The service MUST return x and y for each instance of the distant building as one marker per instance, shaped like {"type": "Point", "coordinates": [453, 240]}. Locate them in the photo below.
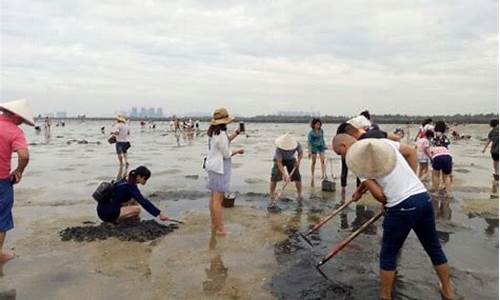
{"type": "Point", "coordinates": [61, 114]}
{"type": "Point", "coordinates": [159, 112]}
{"type": "Point", "coordinates": [151, 113]}
{"type": "Point", "coordinates": [144, 113]}
{"type": "Point", "coordinates": [134, 113]}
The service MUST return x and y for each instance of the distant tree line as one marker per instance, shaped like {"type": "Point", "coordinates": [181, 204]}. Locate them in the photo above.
{"type": "Point", "coordinates": [381, 119]}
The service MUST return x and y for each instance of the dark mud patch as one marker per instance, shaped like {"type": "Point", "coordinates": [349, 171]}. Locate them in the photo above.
{"type": "Point", "coordinates": [8, 295]}
{"type": "Point", "coordinates": [302, 281]}
{"type": "Point", "coordinates": [137, 231]}
{"type": "Point", "coordinates": [472, 189]}
{"type": "Point", "coordinates": [67, 169]}
{"type": "Point", "coordinates": [178, 195]}
{"type": "Point", "coordinates": [464, 171]}
{"type": "Point", "coordinates": [193, 177]}
{"type": "Point", "coordinates": [255, 180]}
{"type": "Point", "coordinates": [195, 195]}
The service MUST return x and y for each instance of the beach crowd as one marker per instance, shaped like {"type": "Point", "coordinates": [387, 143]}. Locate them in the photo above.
{"type": "Point", "coordinates": [394, 173]}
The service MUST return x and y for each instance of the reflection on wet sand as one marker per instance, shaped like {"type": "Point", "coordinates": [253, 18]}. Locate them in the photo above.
{"type": "Point", "coordinates": [8, 295]}
{"type": "Point", "coordinates": [217, 273]}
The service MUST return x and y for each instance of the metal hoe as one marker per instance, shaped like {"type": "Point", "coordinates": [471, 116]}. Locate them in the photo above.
{"type": "Point", "coordinates": [346, 242]}
{"type": "Point", "coordinates": [323, 222]}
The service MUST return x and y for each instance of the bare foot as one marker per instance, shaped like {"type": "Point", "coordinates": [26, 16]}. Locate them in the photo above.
{"type": "Point", "coordinates": [446, 294]}
{"type": "Point", "coordinates": [221, 232]}
{"type": "Point", "coordinates": [5, 257]}
{"type": "Point", "coordinates": [312, 182]}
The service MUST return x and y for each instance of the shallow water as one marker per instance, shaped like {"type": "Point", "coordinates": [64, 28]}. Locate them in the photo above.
{"type": "Point", "coordinates": [262, 258]}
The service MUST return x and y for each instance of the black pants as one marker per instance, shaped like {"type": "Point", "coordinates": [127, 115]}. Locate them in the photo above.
{"type": "Point", "coordinates": [343, 175]}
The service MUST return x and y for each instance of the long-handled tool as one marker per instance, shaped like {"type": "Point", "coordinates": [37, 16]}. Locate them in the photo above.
{"type": "Point", "coordinates": [278, 196]}
{"type": "Point", "coordinates": [346, 242]}
{"type": "Point", "coordinates": [324, 221]}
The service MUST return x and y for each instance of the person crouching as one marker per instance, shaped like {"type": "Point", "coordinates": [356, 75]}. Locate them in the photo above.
{"type": "Point", "coordinates": [121, 207]}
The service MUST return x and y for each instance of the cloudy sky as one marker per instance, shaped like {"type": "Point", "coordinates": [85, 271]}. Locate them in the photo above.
{"type": "Point", "coordinates": [335, 57]}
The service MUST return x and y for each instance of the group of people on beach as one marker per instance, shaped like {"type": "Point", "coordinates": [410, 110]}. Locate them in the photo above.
{"type": "Point", "coordinates": [384, 167]}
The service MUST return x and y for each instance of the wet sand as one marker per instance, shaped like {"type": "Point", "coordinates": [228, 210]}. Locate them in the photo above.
{"type": "Point", "coordinates": [262, 258]}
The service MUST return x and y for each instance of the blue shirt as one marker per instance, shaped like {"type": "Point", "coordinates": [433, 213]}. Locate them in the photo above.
{"type": "Point", "coordinates": [124, 192]}
{"type": "Point", "coordinates": [315, 140]}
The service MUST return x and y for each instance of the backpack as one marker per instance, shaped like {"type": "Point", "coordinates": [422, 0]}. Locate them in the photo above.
{"type": "Point", "coordinates": [104, 192]}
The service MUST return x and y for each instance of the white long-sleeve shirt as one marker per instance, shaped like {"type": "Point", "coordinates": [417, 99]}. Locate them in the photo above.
{"type": "Point", "coordinates": [219, 150]}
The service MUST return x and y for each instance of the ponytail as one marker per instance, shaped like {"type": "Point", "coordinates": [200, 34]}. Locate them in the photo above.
{"type": "Point", "coordinates": [139, 171]}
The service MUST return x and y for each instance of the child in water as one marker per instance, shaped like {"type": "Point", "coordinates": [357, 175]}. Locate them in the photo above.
{"type": "Point", "coordinates": [422, 146]}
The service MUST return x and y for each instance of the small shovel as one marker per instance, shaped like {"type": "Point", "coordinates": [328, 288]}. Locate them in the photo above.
{"type": "Point", "coordinates": [346, 242]}
{"type": "Point", "coordinates": [175, 221]}
{"type": "Point", "coordinates": [323, 222]}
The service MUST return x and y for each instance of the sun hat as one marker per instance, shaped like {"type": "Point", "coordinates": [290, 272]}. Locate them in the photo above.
{"type": "Point", "coordinates": [121, 118]}
{"type": "Point", "coordinates": [371, 158]}
{"type": "Point", "coordinates": [221, 116]}
{"type": "Point", "coordinates": [360, 122]}
{"type": "Point", "coordinates": [286, 142]}
{"type": "Point", "coordinates": [21, 108]}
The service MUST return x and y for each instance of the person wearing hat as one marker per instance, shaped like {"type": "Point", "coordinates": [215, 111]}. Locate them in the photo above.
{"type": "Point", "coordinates": [218, 165]}
{"type": "Point", "coordinates": [284, 157]}
{"type": "Point", "coordinates": [360, 128]}
{"type": "Point", "coordinates": [121, 132]}
{"type": "Point", "coordinates": [12, 114]}
{"type": "Point", "coordinates": [386, 174]}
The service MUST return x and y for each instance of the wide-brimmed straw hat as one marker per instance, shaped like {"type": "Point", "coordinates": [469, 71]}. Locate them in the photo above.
{"type": "Point", "coordinates": [121, 118]}
{"type": "Point", "coordinates": [21, 108]}
{"type": "Point", "coordinates": [360, 122]}
{"type": "Point", "coordinates": [371, 158]}
{"type": "Point", "coordinates": [286, 142]}
{"type": "Point", "coordinates": [221, 116]}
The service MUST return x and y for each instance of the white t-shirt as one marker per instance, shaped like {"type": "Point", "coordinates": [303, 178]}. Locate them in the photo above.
{"type": "Point", "coordinates": [402, 182]}
{"type": "Point", "coordinates": [121, 132]}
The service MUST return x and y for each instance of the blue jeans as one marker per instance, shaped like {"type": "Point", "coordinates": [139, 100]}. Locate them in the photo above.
{"type": "Point", "coordinates": [6, 202]}
{"type": "Point", "coordinates": [415, 213]}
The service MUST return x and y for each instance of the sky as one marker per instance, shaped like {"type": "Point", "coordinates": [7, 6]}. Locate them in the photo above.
{"type": "Point", "coordinates": [99, 57]}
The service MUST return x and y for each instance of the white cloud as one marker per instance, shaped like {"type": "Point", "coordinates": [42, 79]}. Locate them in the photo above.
{"type": "Point", "coordinates": [98, 57]}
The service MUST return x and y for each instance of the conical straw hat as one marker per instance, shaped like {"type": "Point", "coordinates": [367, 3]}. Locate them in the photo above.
{"type": "Point", "coordinates": [371, 158]}
{"type": "Point", "coordinates": [22, 108]}
{"type": "Point", "coordinates": [360, 122]}
{"type": "Point", "coordinates": [286, 142]}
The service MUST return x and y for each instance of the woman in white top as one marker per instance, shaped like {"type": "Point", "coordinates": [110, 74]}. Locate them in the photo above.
{"type": "Point", "coordinates": [218, 165]}
{"type": "Point", "coordinates": [121, 133]}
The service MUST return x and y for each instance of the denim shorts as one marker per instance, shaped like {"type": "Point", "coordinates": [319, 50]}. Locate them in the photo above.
{"type": "Point", "coordinates": [415, 213]}
{"type": "Point", "coordinates": [289, 165]}
{"type": "Point", "coordinates": [122, 147]}
{"type": "Point", "coordinates": [6, 203]}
